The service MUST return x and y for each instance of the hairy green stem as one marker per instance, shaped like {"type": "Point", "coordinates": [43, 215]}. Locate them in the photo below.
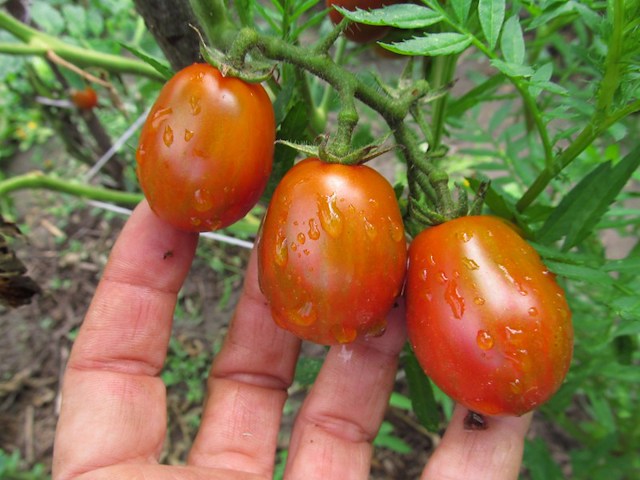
{"type": "Point", "coordinates": [213, 19]}
{"type": "Point", "coordinates": [37, 179]}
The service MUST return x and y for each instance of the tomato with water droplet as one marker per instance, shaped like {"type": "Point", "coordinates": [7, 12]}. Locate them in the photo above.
{"type": "Point", "coordinates": [486, 321]}
{"type": "Point", "coordinates": [206, 149]}
{"type": "Point", "coordinates": [332, 252]}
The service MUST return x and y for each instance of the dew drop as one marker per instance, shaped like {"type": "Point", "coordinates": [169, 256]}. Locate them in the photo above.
{"type": "Point", "coordinates": [331, 217]}
{"type": "Point", "coordinates": [423, 274]}
{"type": "Point", "coordinates": [396, 230]}
{"type": "Point", "coordinates": [304, 316]}
{"type": "Point", "coordinates": [344, 334]}
{"type": "Point", "coordinates": [188, 134]}
{"type": "Point", "coordinates": [454, 299]}
{"type": "Point", "coordinates": [442, 277]}
{"type": "Point", "coordinates": [484, 340]}
{"type": "Point", "coordinates": [464, 236]}
{"type": "Point", "coordinates": [294, 247]}
{"type": "Point", "coordinates": [479, 300]}
{"type": "Point", "coordinates": [533, 312]}
{"type": "Point", "coordinates": [159, 116]}
{"type": "Point", "coordinates": [516, 386]}
{"type": "Point", "coordinates": [432, 260]}
{"type": "Point", "coordinates": [314, 233]}
{"type": "Point", "coordinates": [281, 253]}
{"type": "Point", "coordinates": [167, 136]}
{"type": "Point", "coordinates": [470, 264]}
{"type": "Point", "coordinates": [306, 251]}
{"type": "Point", "coordinates": [195, 221]}
{"type": "Point", "coordinates": [194, 103]}
{"type": "Point", "coordinates": [301, 238]}
{"type": "Point", "coordinates": [203, 200]}
{"type": "Point", "coordinates": [370, 229]}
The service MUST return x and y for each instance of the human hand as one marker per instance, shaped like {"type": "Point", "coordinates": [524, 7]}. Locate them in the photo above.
{"type": "Point", "coordinates": [113, 418]}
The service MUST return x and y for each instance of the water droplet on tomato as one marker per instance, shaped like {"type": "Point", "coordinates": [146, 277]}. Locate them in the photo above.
{"type": "Point", "coordinates": [331, 217]}
{"type": "Point", "coordinates": [294, 247]}
{"type": "Point", "coordinates": [167, 136]}
{"type": "Point", "coordinates": [484, 340]}
{"type": "Point", "coordinates": [195, 221]}
{"type": "Point", "coordinates": [432, 260]}
{"type": "Point", "coordinates": [479, 300]}
{"type": "Point", "coordinates": [304, 316]}
{"type": "Point", "coordinates": [533, 311]}
{"type": "Point", "coordinates": [470, 264]}
{"type": "Point", "coordinates": [370, 229]}
{"type": "Point", "coordinates": [281, 253]}
{"type": "Point", "coordinates": [314, 233]}
{"type": "Point", "coordinates": [344, 334]}
{"type": "Point", "coordinates": [454, 299]}
{"type": "Point", "coordinates": [464, 236]}
{"type": "Point", "coordinates": [159, 116]}
{"type": "Point", "coordinates": [306, 251]}
{"type": "Point", "coordinates": [423, 274]}
{"type": "Point", "coordinates": [516, 386]}
{"type": "Point", "coordinates": [203, 200]}
{"type": "Point", "coordinates": [301, 238]}
{"type": "Point", "coordinates": [188, 134]}
{"type": "Point", "coordinates": [442, 277]}
{"type": "Point", "coordinates": [194, 103]}
{"type": "Point", "coordinates": [396, 230]}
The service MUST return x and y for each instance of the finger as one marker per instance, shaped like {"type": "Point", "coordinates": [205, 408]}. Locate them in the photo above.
{"type": "Point", "coordinates": [341, 416]}
{"type": "Point", "coordinates": [247, 388]}
{"type": "Point", "coordinates": [113, 403]}
{"type": "Point", "coordinates": [492, 454]}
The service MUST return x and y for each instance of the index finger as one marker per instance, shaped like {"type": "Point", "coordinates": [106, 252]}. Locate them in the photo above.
{"type": "Point", "coordinates": [113, 402]}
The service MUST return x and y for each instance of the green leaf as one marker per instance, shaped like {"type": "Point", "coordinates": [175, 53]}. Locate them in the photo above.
{"type": "Point", "coordinates": [461, 9]}
{"type": "Point", "coordinates": [580, 273]}
{"type": "Point", "coordinates": [403, 16]}
{"type": "Point", "coordinates": [47, 18]}
{"type": "Point", "coordinates": [539, 461]}
{"type": "Point", "coordinates": [512, 41]}
{"type": "Point", "coordinates": [512, 70]}
{"type": "Point", "coordinates": [431, 45]}
{"type": "Point", "coordinates": [307, 370]}
{"type": "Point", "coordinates": [583, 207]}
{"type": "Point", "coordinates": [491, 13]}
{"type": "Point", "coordinates": [421, 393]}
{"type": "Point", "coordinates": [163, 69]}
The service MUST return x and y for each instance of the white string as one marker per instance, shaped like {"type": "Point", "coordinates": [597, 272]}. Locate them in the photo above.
{"type": "Point", "coordinates": [211, 235]}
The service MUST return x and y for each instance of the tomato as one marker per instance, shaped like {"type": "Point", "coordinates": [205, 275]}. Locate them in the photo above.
{"type": "Point", "coordinates": [486, 319]}
{"type": "Point", "coordinates": [332, 252]}
{"type": "Point", "coordinates": [359, 32]}
{"type": "Point", "coordinates": [85, 99]}
{"type": "Point", "coordinates": [206, 149]}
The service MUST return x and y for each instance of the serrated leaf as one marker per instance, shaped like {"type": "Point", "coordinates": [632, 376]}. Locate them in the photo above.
{"type": "Point", "coordinates": [512, 41]}
{"type": "Point", "coordinates": [403, 16]}
{"type": "Point", "coordinates": [431, 45]}
{"type": "Point", "coordinates": [583, 207]}
{"type": "Point", "coordinates": [461, 9]}
{"type": "Point", "coordinates": [421, 393]}
{"type": "Point", "coordinates": [512, 70]}
{"type": "Point", "coordinates": [491, 14]}
{"type": "Point", "coordinates": [580, 273]}
{"type": "Point", "coordinates": [163, 69]}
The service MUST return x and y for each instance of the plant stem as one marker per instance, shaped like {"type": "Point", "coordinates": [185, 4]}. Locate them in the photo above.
{"type": "Point", "coordinates": [38, 43]}
{"type": "Point", "coordinates": [37, 179]}
{"type": "Point", "coordinates": [579, 144]}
